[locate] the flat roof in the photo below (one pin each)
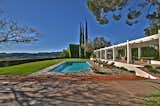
(136, 41)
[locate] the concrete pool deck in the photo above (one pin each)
(76, 93)
(113, 71)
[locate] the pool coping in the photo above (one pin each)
(47, 70)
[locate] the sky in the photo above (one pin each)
(58, 22)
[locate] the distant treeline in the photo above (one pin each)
(16, 62)
(23, 56)
(10, 59)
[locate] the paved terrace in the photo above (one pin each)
(70, 91)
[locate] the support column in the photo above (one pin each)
(114, 54)
(159, 46)
(96, 53)
(105, 54)
(139, 53)
(100, 54)
(129, 55)
(125, 52)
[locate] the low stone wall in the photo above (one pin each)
(135, 68)
(155, 62)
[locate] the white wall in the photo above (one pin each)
(155, 62)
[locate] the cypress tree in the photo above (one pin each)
(83, 43)
(86, 33)
(80, 41)
(83, 36)
(83, 39)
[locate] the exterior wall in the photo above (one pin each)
(138, 43)
(155, 62)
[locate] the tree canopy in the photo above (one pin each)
(100, 42)
(65, 53)
(152, 29)
(11, 31)
(130, 10)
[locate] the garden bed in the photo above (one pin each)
(153, 70)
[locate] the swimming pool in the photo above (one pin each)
(72, 67)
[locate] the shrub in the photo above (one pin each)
(152, 100)
(93, 55)
(158, 67)
(150, 52)
(65, 53)
(74, 51)
(151, 69)
(132, 71)
(123, 68)
(148, 66)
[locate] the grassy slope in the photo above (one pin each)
(28, 68)
(153, 100)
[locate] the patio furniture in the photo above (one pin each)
(105, 64)
(100, 63)
(109, 65)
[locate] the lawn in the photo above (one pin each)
(28, 68)
(153, 100)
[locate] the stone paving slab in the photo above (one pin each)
(76, 93)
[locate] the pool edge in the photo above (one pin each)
(47, 70)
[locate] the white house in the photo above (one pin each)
(103, 53)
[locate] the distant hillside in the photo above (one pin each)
(22, 56)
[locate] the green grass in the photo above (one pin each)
(148, 66)
(151, 69)
(153, 100)
(28, 68)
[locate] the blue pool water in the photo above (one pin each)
(72, 67)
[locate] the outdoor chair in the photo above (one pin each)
(94, 69)
(100, 63)
(105, 63)
(109, 65)
(96, 62)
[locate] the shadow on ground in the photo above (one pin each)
(75, 93)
